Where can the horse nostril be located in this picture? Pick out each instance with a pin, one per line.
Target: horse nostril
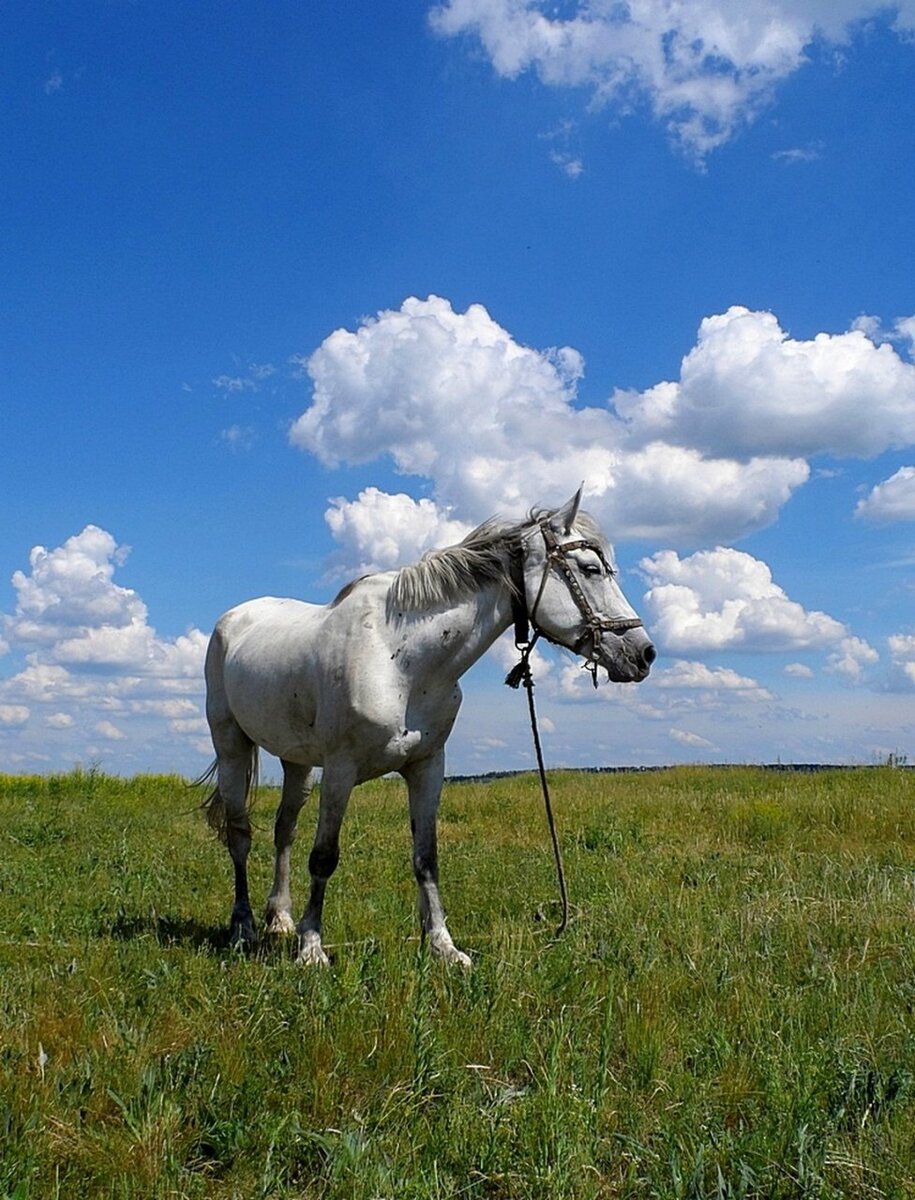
(649, 654)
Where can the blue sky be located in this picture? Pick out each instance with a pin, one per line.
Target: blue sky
(295, 290)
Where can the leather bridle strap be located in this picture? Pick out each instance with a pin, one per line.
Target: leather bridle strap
(557, 556)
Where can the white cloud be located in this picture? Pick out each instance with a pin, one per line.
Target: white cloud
(173, 709)
(748, 389)
(693, 740)
(902, 652)
(90, 654)
(892, 500)
(250, 381)
(105, 729)
(13, 714)
(725, 599)
(72, 588)
(904, 331)
(378, 531)
(696, 675)
(569, 164)
(798, 671)
(661, 492)
(901, 333)
(418, 381)
(491, 743)
(452, 397)
(238, 437)
(72, 611)
(705, 67)
(851, 657)
(799, 154)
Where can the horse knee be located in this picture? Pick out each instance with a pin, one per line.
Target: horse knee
(238, 838)
(322, 862)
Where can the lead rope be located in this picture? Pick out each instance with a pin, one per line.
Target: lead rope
(521, 674)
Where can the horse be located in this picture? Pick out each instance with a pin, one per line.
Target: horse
(368, 685)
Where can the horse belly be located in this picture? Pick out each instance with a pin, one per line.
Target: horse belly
(274, 706)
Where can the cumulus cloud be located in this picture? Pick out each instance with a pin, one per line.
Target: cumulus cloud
(902, 653)
(107, 730)
(13, 714)
(901, 333)
(747, 388)
(415, 382)
(70, 609)
(798, 671)
(705, 68)
(698, 676)
(378, 531)
(454, 398)
(892, 500)
(726, 599)
(851, 657)
(72, 588)
(89, 651)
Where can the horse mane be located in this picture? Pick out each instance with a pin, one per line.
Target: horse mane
(455, 572)
(445, 576)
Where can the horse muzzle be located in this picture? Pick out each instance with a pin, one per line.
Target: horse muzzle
(626, 657)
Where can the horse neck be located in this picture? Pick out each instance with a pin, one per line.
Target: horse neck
(491, 610)
(458, 636)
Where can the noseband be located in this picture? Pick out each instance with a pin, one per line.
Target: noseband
(557, 556)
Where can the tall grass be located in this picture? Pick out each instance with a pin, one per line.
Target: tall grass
(731, 1013)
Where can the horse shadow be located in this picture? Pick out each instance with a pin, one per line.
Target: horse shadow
(170, 930)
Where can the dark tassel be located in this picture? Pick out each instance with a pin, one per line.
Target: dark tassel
(516, 675)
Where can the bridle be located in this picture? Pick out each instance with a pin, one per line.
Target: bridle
(557, 557)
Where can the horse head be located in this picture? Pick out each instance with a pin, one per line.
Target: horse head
(572, 594)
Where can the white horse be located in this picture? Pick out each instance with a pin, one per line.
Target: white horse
(368, 684)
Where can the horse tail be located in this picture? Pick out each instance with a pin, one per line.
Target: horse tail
(214, 806)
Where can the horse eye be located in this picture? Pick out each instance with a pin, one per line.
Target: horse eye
(592, 568)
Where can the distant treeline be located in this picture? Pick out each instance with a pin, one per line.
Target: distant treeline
(897, 762)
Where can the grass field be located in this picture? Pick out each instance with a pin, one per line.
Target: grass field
(731, 1014)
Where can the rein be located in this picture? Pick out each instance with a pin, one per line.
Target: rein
(518, 675)
(524, 620)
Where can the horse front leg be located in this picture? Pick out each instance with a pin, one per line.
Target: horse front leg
(336, 786)
(297, 784)
(424, 785)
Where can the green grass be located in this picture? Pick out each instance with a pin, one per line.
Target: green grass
(731, 1013)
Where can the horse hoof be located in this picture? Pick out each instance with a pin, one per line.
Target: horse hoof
(280, 924)
(311, 953)
(243, 937)
(449, 953)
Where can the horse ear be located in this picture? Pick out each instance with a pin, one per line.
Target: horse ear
(563, 518)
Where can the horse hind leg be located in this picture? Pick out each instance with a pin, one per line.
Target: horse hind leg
(297, 784)
(227, 812)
